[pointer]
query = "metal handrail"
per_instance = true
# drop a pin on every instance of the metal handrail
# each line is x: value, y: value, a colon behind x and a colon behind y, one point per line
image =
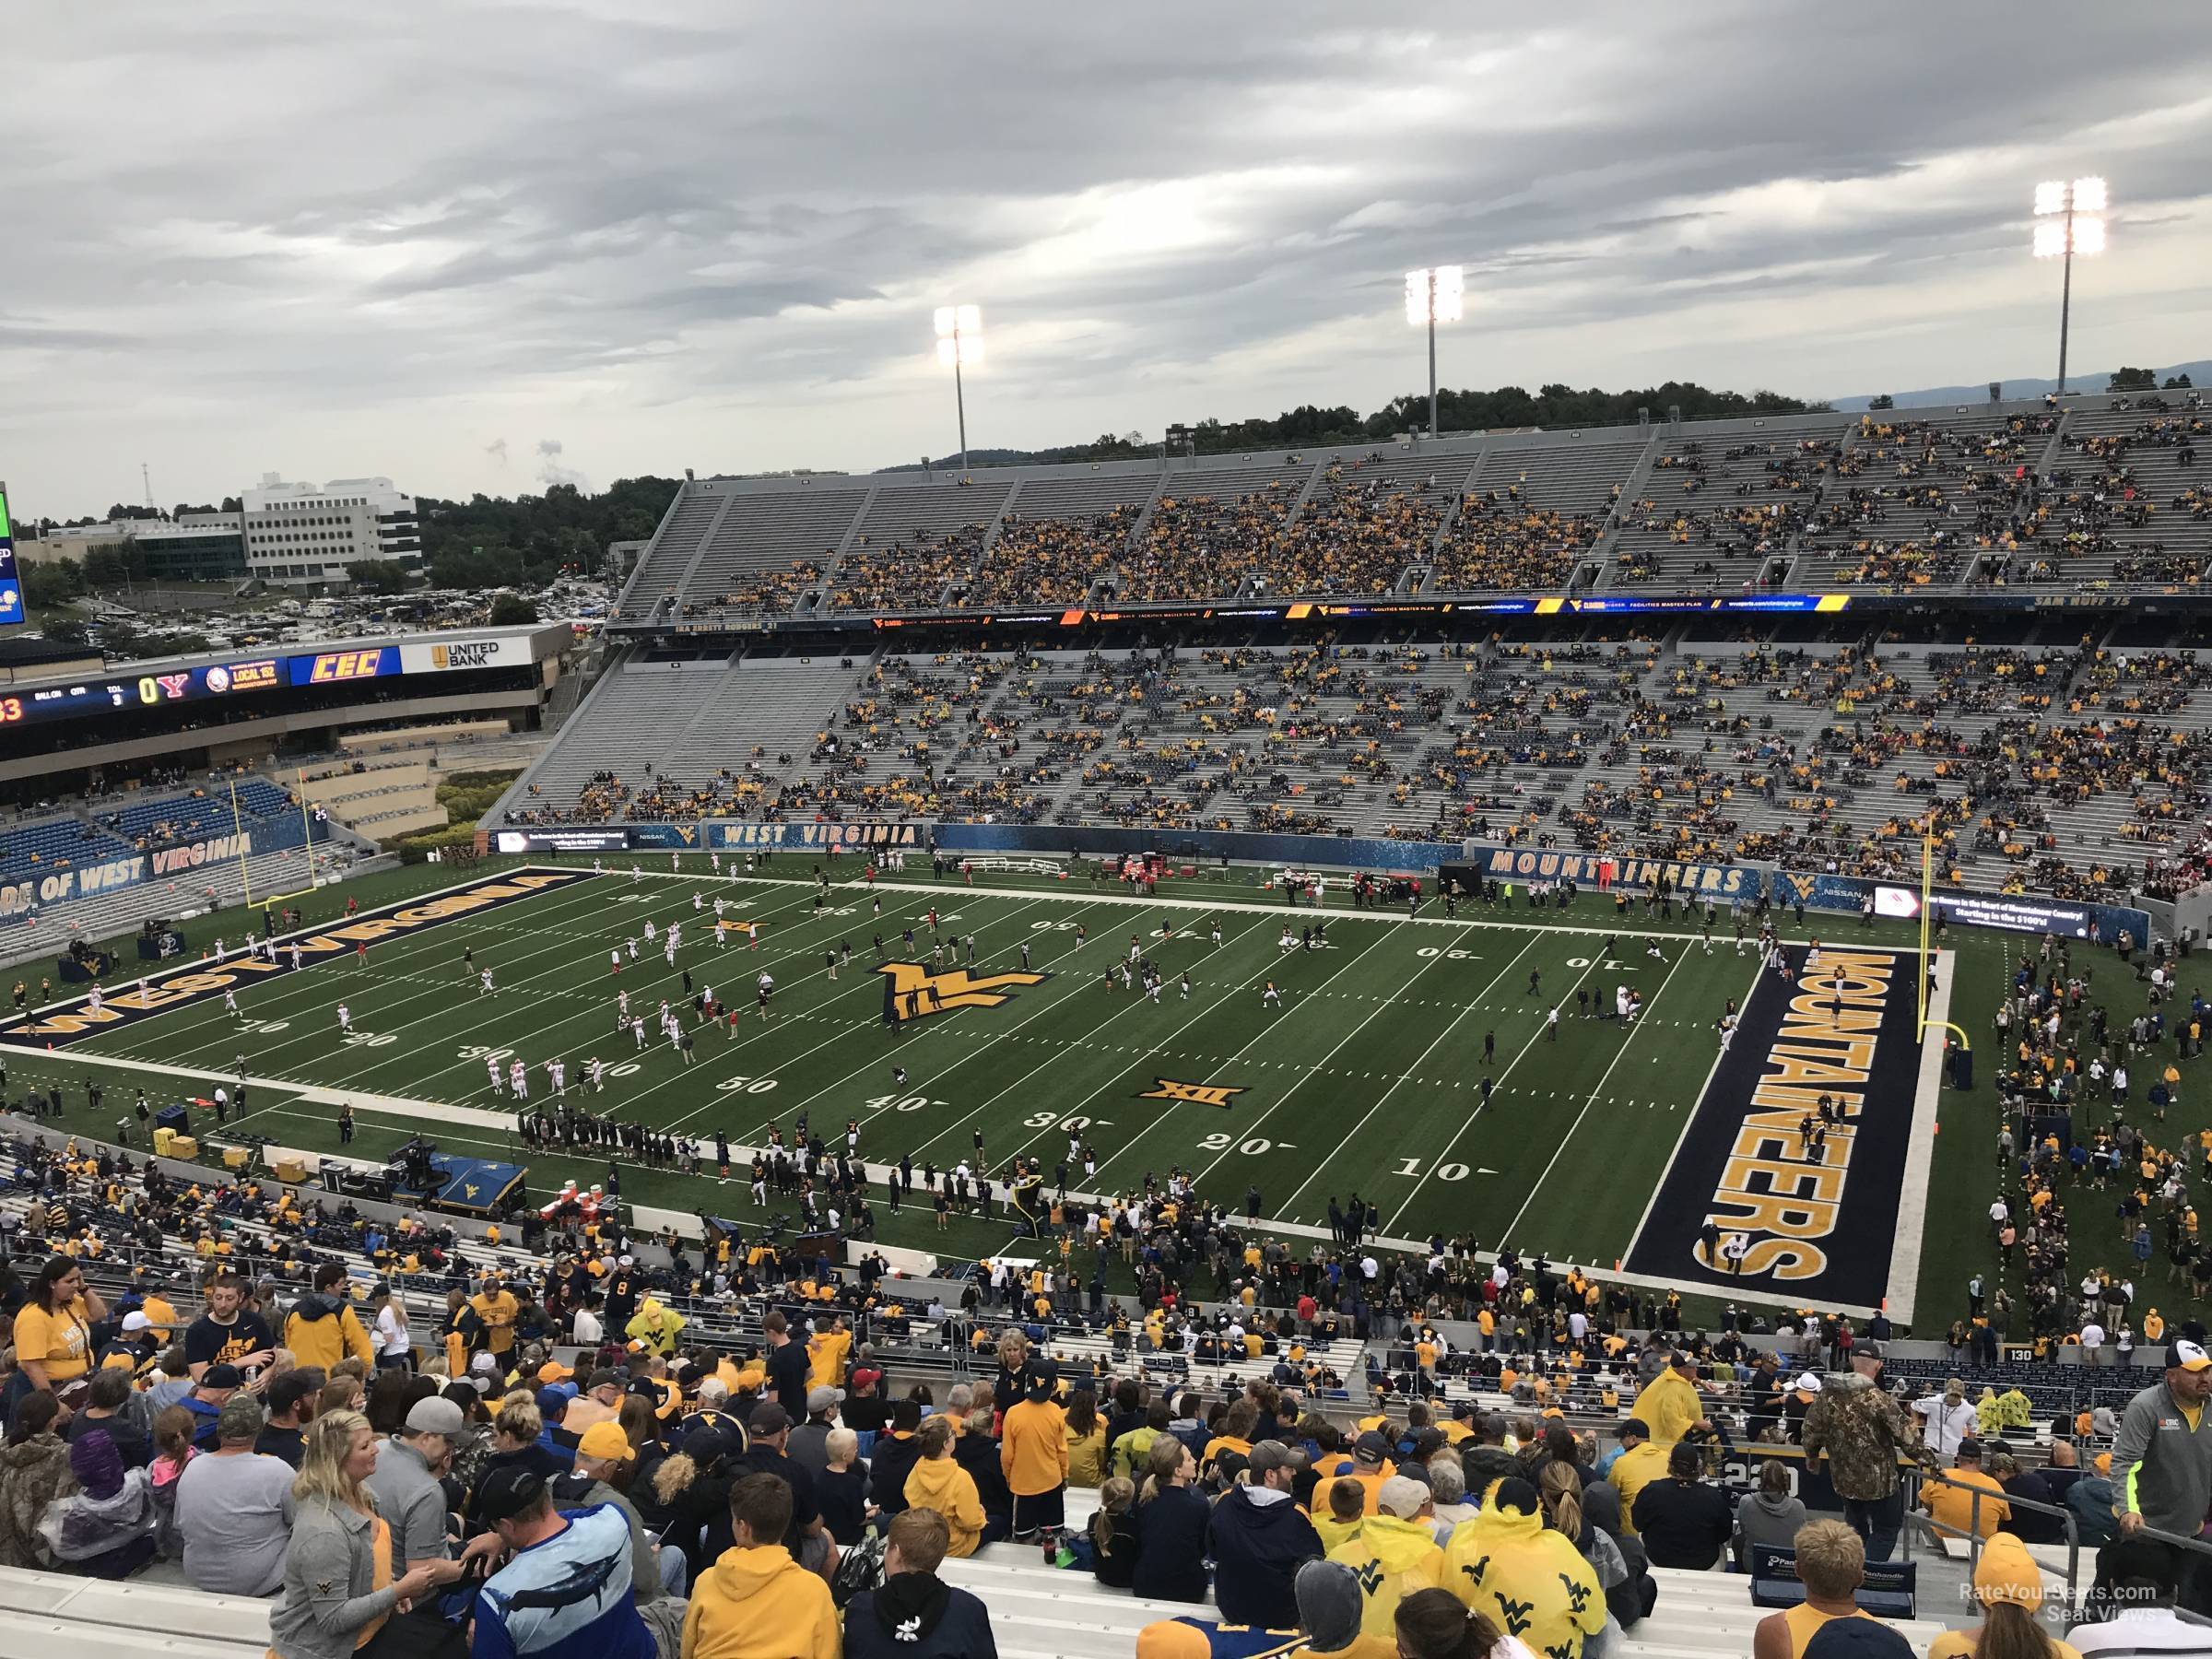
x: 2074, y: 1601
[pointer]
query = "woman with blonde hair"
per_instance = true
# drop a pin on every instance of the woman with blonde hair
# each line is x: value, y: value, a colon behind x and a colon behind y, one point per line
x: 2010, y: 1586
x: 394, y: 1343
x: 338, y: 1587
x: 1113, y: 1534
x: 1011, y: 1383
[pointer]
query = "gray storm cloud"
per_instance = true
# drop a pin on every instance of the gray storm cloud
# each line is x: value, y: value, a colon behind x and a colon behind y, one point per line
x: 1164, y: 213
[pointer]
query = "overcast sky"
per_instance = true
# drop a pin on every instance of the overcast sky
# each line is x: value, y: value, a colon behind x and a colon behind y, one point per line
x: 482, y: 246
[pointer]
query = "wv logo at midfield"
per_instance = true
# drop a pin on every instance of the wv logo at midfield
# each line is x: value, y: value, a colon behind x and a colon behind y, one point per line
x: 912, y: 991
x: 1197, y: 1094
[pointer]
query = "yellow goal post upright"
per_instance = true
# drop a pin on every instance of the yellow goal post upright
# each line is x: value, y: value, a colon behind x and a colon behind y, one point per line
x: 1928, y: 920
x: 307, y: 827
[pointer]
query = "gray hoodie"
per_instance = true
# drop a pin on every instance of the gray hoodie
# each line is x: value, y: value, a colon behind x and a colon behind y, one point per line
x: 2162, y: 1466
x: 1765, y: 1518
x: 328, y: 1570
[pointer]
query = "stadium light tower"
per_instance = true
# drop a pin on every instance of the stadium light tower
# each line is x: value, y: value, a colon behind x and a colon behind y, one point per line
x: 1432, y: 296
x: 2069, y: 219
x: 960, y: 341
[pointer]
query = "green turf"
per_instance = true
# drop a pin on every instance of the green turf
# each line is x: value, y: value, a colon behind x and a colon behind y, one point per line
x: 1366, y: 1080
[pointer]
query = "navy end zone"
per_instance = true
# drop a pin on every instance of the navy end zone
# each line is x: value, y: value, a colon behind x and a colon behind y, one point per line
x: 74, y: 1022
x: 1820, y: 1234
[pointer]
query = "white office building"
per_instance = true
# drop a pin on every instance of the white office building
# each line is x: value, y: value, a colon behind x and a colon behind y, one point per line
x: 303, y: 534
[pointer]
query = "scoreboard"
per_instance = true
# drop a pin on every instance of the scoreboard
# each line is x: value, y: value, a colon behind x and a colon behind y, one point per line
x: 11, y: 584
x: 215, y: 681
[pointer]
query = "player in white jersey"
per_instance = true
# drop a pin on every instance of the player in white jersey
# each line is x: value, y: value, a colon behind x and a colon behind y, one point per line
x: 229, y: 1005
x: 1152, y: 988
x: 295, y: 956
x: 344, y: 1019
x: 672, y: 866
x: 614, y: 958
x: 557, y: 1070
x: 142, y: 991
x: 595, y: 1070
x: 221, y: 953
x: 718, y: 902
x: 637, y: 1029
x: 669, y: 956
x: 636, y: 874
x: 484, y: 982
x: 650, y: 935
x: 518, y: 1080
x: 768, y: 981
x: 698, y: 902
x: 715, y: 862
x: 96, y: 1001
x: 622, y: 1011
x: 1621, y: 1002
x: 498, y: 1078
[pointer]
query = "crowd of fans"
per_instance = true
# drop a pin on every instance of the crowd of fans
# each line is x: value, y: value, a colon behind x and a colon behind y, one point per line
x: 1050, y: 562
x: 906, y: 573
x: 1201, y: 544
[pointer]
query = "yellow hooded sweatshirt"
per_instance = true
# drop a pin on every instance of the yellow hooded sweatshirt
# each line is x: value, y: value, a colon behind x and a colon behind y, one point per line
x: 940, y: 1483
x: 1529, y: 1582
x: 760, y: 1604
x: 1668, y: 1405
x: 1393, y: 1558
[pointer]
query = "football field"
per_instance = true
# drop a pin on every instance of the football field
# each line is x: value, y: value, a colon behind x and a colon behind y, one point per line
x: 1410, y: 1062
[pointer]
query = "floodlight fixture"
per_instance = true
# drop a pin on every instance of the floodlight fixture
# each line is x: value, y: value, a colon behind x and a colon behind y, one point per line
x: 1435, y: 294
x: 960, y: 345
x: 2069, y: 220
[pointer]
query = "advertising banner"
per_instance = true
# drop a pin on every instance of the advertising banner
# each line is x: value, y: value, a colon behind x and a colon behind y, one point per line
x: 563, y: 841
x: 442, y: 656
x: 1606, y: 871
x: 821, y: 838
x: 163, y: 864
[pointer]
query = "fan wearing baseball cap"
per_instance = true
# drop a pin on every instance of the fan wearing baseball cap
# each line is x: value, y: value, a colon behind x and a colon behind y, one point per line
x: 1394, y: 1554
x: 2163, y: 1461
x: 566, y: 1589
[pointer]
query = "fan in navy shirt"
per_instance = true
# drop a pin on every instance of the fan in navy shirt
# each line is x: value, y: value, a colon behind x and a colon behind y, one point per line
x: 566, y: 1592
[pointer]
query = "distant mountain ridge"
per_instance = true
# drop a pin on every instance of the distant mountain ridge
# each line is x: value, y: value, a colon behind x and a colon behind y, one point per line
x: 2199, y: 373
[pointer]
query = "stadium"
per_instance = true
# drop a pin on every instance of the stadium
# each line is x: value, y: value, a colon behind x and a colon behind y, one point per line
x: 1431, y: 973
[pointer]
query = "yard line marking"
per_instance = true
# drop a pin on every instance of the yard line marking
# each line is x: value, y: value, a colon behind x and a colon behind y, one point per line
x: 1658, y: 1186
x: 1565, y: 1140
x: 848, y: 1033
x: 1306, y: 1076
x: 657, y: 1047
x: 1371, y: 1112
x: 1128, y: 1002
x: 436, y: 985
x: 282, y: 991
x: 567, y: 966
x: 1219, y: 1003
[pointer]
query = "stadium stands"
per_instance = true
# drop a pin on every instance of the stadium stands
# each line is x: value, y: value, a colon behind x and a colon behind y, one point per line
x: 2102, y: 491
x: 2076, y: 771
